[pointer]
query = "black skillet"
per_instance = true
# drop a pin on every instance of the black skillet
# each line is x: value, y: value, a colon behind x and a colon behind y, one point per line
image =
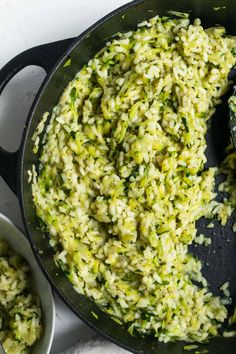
x: 221, y: 255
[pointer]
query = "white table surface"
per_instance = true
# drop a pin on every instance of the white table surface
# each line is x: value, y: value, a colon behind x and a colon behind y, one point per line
x: 24, y: 24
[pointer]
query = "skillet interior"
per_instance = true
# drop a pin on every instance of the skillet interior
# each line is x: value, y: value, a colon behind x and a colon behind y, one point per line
x: 222, y: 263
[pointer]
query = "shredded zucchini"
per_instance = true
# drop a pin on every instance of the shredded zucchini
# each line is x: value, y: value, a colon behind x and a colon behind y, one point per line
x: 122, y: 180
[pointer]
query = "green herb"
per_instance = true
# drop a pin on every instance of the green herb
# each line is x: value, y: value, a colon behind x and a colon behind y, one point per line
x: 179, y: 14
x: 217, y: 8
x: 67, y: 63
x: 40, y: 224
x: 94, y: 315
x: 63, y: 267
x: 73, y: 95
x: 184, y: 121
x: 233, y: 51
x: 117, y: 320
x: 190, y: 347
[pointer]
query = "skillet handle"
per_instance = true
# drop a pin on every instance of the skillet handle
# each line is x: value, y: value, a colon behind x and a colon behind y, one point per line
x: 46, y: 56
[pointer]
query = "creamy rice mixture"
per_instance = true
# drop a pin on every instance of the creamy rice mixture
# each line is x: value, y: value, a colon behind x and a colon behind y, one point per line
x: 20, y: 310
x: 122, y: 178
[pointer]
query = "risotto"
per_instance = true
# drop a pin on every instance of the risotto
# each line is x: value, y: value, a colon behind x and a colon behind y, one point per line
x: 121, y: 181
x: 20, y: 311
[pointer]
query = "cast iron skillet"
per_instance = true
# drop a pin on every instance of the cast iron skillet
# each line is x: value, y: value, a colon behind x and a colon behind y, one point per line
x: 221, y: 255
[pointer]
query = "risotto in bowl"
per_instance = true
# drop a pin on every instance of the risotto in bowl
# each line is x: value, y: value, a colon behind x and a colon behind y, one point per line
x: 26, y: 301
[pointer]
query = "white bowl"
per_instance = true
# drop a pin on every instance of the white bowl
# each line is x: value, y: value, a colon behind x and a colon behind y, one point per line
x: 19, y: 243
